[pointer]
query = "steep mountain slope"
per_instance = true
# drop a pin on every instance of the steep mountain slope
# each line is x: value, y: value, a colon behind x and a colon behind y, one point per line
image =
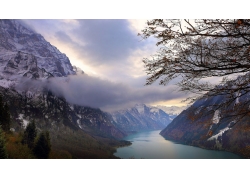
x: 140, y: 117
x: 20, y: 65
x: 64, y: 122
x: 51, y: 111
x: 27, y: 56
x: 205, y: 126
x: 14, y: 37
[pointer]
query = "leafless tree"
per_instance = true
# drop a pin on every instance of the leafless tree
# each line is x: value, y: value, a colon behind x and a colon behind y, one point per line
x: 196, y: 50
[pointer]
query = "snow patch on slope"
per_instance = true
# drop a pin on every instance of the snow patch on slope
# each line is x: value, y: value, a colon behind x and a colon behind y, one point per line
x: 6, y: 83
x: 24, y: 121
x: 114, y: 118
x: 238, y: 94
x: 140, y: 108
x: 79, y: 124
x: 198, y: 110
x: 219, y: 134
x: 216, y: 117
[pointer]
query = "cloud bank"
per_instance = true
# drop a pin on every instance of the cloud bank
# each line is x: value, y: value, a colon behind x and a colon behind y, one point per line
x: 94, y: 92
x: 109, y: 96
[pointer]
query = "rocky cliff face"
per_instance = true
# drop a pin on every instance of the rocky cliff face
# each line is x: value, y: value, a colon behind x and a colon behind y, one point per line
x: 18, y: 65
x: 15, y: 37
x: 141, y: 117
x: 205, y: 126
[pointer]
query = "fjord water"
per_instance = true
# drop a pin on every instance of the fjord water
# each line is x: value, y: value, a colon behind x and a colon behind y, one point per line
x: 151, y: 145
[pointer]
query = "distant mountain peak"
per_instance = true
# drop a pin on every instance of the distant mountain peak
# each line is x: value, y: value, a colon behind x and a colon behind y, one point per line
x: 140, y: 108
x: 172, y: 110
x: 141, y: 117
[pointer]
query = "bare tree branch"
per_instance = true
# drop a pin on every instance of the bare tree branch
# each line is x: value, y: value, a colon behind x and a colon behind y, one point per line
x: 196, y: 50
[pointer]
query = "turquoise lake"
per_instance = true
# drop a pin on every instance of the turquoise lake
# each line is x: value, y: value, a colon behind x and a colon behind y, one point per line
x: 151, y: 145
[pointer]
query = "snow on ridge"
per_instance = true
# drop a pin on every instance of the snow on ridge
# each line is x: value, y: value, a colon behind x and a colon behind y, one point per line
x: 154, y: 110
x: 140, y: 108
x: 172, y: 110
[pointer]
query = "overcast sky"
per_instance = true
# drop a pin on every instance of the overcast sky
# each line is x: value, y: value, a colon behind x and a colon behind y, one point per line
x: 110, y: 53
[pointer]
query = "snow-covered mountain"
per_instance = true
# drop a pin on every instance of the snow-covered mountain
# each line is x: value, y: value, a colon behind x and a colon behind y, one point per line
x: 172, y: 110
x: 15, y: 39
x: 20, y: 65
x: 140, y: 117
x: 26, y: 54
x: 27, y: 60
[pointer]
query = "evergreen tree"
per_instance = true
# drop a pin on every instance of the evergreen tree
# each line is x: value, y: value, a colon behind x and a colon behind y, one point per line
x: 2, y: 120
x: 3, y: 152
x: 4, y: 116
x: 42, y: 147
x: 30, y: 134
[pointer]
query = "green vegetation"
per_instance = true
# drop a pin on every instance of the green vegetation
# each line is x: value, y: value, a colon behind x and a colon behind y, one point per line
x: 42, y: 147
x: 3, y: 152
x: 81, y: 145
x: 40, y: 139
x: 26, y: 145
x: 16, y: 149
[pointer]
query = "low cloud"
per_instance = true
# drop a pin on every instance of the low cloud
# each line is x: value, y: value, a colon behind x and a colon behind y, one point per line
x: 94, y: 92
x: 97, y: 93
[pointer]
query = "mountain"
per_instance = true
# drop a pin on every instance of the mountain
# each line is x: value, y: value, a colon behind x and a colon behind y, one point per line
x: 26, y: 54
x: 206, y: 126
x: 49, y: 110
x: 140, y: 117
x: 85, y: 132
x: 172, y: 110
x: 16, y: 38
x: 20, y: 65
x: 69, y: 125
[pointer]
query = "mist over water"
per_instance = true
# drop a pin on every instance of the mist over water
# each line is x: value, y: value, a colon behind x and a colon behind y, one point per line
x: 151, y: 145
